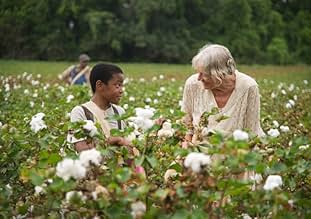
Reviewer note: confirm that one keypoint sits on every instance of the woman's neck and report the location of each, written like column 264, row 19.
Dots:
column 100, row 102
column 226, row 87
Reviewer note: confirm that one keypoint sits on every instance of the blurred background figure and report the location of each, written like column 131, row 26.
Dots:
column 78, row 74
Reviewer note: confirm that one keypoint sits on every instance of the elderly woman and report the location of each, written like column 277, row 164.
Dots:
column 219, row 84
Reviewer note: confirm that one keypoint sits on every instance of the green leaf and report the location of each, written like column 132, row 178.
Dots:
column 277, row 168
column 122, row 175
column 36, row 179
column 152, row 161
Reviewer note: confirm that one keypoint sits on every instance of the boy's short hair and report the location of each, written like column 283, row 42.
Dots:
column 104, row 73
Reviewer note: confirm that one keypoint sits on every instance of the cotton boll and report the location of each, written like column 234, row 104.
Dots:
column 131, row 137
column 284, row 128
column 39, row 190
column 272, row 182
column 303, row 147
column 275, row 123
column 144, row 113
column 288, row 105
column 196, row 167
column 148, row 100
column 165, row 133
column 239, row 135
column 126, row 106
column 37, row 123
column 246, row 216
column 89, row 126
column 138, row 209
column 291, row 87
column 71, row 194
column 68, row 168
column 90, row 156
column 69, row 98
column 274, row 133
column 291, row 102
column 170, row 173
column 196, row 160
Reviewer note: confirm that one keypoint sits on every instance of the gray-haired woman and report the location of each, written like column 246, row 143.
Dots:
column 218, row 83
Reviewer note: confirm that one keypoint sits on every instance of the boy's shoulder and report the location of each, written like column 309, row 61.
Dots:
column 77, row 114
column 118, row 108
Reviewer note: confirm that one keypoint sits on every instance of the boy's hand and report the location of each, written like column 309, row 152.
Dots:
column 118, row 141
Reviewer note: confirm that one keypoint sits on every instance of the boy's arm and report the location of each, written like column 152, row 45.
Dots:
column 83, row 145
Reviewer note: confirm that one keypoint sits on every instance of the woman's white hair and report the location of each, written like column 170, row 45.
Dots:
column 214, row 60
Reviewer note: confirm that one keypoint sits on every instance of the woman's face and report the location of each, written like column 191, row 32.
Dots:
column 207, row 81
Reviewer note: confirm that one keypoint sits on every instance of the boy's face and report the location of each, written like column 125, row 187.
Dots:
column 112, row 92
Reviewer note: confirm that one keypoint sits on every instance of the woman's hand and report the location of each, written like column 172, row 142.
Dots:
column 187, row 141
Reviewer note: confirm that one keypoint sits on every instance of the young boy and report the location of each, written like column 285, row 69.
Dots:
column 107, row 82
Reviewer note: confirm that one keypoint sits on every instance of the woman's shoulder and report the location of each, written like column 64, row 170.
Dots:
column 245, row 81
column 192, row 82
column 192, row 79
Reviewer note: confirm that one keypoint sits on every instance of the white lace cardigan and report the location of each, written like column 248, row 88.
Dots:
column 243, row 106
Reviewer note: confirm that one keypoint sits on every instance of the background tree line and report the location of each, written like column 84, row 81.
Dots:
column 256, row 31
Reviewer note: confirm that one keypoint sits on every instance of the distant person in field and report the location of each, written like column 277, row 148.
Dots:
column 106, row 83
column 217, row 83
column 78, row 74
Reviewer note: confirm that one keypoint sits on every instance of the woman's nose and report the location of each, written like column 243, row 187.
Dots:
column 200, row 77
